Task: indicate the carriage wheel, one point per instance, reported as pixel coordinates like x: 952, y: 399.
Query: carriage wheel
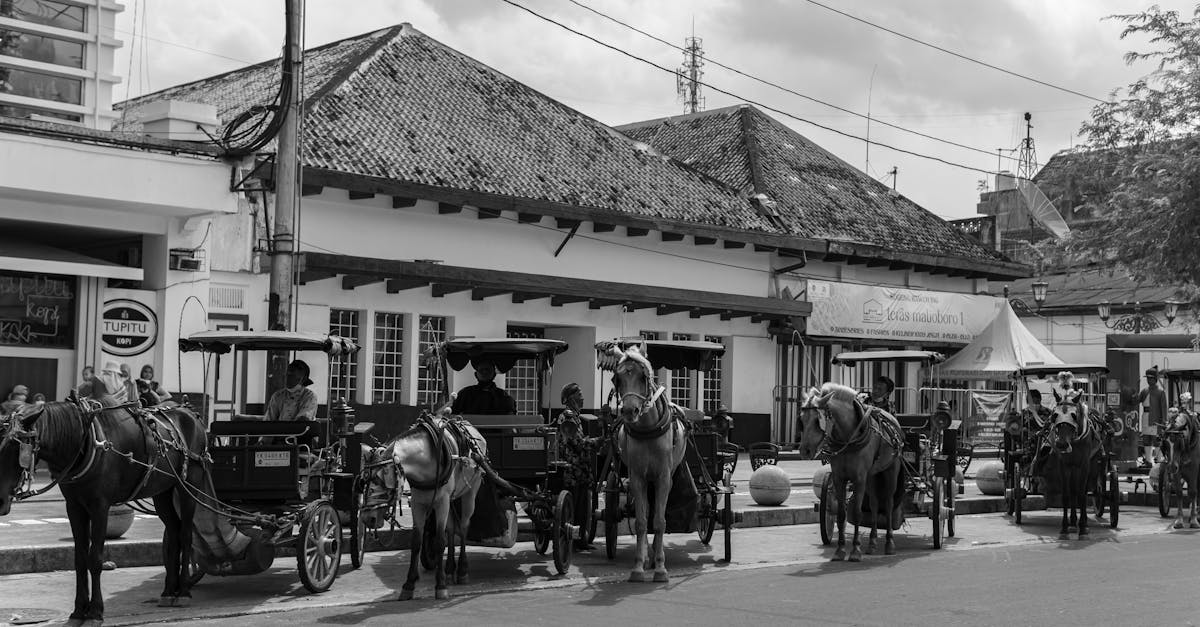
x: 592, y: 523
x: 1166, y: 485
x: 707, y: 518
x: 541, y: 531
x: 950, y: 515
x: 827, y: 513
x: 1100, y: 494
x: 358, y: 532
x: 564, y: 511
x: 935, y: 510
x: 612, y: 514
x: 1010, y: 488
x: 319, y: 550
x: 1114, y: 499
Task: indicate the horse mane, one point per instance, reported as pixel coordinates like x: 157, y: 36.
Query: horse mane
x: 633, y: 353
x: 59, y: 425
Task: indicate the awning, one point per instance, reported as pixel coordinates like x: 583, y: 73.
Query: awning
x: 25, y: 256
x: 1153, y: 342
x: 484, y: 283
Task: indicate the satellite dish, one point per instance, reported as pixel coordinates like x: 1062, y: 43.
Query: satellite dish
x: 1042, y: 210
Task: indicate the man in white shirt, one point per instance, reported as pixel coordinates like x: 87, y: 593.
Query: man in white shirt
x: 295, y: 401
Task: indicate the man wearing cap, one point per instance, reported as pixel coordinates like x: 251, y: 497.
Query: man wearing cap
x: 578, y: 451
x: 295, y: 401
x: 1153, y: 399
x: 485, y: 397
x: 881, y: 394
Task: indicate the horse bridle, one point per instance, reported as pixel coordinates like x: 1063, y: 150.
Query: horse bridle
x: 30, y: 445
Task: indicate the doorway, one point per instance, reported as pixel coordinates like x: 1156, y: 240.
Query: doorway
x: 229, y: 378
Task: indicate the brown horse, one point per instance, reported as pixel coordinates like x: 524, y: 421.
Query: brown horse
x: 101, y: 456
x: 1181, y: 445
x: 1076, y: 446
x: 440, y: 461
x: 651, y: 442
x: 837, y: 426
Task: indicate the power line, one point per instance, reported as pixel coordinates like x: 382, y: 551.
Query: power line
x: 851, y: 112
x: 179, y: 45
x: 953, y: 53
x: 747, y: 100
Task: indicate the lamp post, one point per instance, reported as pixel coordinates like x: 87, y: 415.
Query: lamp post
x: 1139, y: 320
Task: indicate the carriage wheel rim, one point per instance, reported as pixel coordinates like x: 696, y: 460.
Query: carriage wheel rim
x: 321, y: 546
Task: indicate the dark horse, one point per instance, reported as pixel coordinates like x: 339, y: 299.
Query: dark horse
x: 101, y: 456
x: 1076, y: 446
x: 836, y: 425
x: 1181, y: 444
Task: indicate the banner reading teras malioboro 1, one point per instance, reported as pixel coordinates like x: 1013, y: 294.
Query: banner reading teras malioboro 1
x: 886, y: 313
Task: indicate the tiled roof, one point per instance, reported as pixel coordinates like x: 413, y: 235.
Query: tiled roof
x: 397, y: 105
x: 818, y: 195
x: 1087, y: 288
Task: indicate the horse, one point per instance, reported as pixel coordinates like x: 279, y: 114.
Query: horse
x: 651, y: 442
x: 1181, y: 445
x: 440, y: 460
x: 100, y: 454
x: 832, y: 417
x: 1076, y: 445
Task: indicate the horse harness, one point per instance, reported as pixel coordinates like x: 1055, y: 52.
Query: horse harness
x: 870, y: 421
x: 667, y: 414
x: 94, y: 442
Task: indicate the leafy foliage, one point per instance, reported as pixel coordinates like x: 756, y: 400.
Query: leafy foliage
x: 1139, y: 173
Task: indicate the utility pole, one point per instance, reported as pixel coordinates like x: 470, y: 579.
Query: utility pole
x: 287, y: 187
x: 687, y: 77
x: 1027, y: 161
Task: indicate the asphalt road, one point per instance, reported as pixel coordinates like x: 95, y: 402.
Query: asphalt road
x: 994, y: 572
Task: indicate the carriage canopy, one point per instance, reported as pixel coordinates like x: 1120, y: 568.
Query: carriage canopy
x: 221, y: 342
x: 503, y: 352
x: 925, y: 358
x: 669, y: 354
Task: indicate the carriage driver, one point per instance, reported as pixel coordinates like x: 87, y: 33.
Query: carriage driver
x: 295, y: 401
x: 576, y: 450
x: 881, y: 394
x: 484, y: 397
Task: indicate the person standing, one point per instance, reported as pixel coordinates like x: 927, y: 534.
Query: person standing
x: 578, y: 451
x: 1153, y: 399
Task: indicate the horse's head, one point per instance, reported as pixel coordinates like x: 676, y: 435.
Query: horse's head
x: 633, y: 379
x: 818, y: 411
x: 1068, y: 425
x: 18, y: 444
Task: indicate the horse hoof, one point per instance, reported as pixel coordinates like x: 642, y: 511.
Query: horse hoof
x: 855, y: 556
x: 167, y: 601
x: 839, y: 555
x: 1064, y: 536
x: 406, y: 595
x: 74, y: 622
x: 637, y: 576
x: 441, y: 594
x: 1178, y: 525
x: 889, y: 548
x: 660, y: 576
x: 1083, y: 533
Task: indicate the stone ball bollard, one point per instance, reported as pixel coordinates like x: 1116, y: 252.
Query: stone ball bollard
x: 120, y: 519
x: 990, y: 478
x: 770, y: 485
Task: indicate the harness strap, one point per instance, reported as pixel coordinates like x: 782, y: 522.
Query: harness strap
x: 666, y: 416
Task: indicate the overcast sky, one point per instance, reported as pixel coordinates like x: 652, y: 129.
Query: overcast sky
x: 794, y: 43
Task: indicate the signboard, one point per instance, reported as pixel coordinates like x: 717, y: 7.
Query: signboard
x: 127, y: 327
x: 886, y: 313
x: 527, y: 443
x: 272, y: 459
x: 37, y: 310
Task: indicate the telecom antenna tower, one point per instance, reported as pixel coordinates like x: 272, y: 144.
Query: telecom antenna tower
x: 1027, y: 164
x: 687, y: 77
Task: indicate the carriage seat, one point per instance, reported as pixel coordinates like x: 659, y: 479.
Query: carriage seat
x: 695, y: 416
x: 913, y: 422
x: 504, y: 420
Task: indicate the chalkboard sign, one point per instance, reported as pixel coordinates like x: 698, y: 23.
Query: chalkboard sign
x: 37, y: 310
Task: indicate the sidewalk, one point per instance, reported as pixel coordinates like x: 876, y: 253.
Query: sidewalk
x: 36, y: 537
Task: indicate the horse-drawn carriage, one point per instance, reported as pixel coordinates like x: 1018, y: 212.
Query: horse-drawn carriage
x: 522, y: 449
x: 928, y: 443
x: 1039, y: 444
x: 277, y: 484
x: 708, y: 462
x: 1179, y: 445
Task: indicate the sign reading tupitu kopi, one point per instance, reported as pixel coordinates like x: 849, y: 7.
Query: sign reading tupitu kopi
x: 127, y: 327
x: 886, y: 313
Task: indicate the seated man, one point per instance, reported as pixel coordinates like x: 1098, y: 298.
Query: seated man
x: 295, y: 401
x: 484, y: 397
x: 881, y: 394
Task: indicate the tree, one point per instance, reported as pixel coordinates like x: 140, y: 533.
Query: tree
x: 1139, y: 172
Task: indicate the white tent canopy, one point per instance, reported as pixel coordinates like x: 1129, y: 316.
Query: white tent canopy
x: 1003, y: 347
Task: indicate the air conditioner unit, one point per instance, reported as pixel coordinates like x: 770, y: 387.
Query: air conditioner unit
x: 186, y: 259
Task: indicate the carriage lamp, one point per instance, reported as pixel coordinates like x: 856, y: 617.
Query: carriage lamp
x: 1039, y: 292
x: 1139, y: 320
x: 1172, y: 308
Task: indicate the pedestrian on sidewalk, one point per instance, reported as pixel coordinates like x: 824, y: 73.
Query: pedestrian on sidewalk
x: 578, y: 451
x: 16, y: 399
x: 1153, y: 399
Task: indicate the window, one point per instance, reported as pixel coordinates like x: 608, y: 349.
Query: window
x: 41, y: 48
x: 343, y: 370
x: 46, y: 13
x: 14, y: 111
x: 522, y: 381
x: 389, y: 357
x: 682, y: 384
x: 41, y: 86
x: 431, y: 331
x: 711, y: 380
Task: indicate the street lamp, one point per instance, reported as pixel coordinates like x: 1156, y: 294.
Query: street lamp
x: 1039, y: 297
x: 1139, y: 320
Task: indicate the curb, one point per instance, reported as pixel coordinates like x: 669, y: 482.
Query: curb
x: 132, y: 553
